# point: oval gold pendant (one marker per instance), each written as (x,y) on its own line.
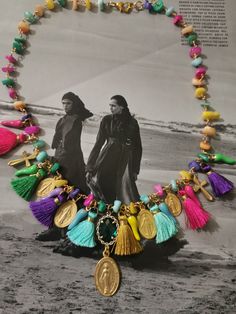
(65,214)
(174,204)
(45,187)
(146,224)
(107,276)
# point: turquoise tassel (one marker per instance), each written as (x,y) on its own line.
(82,213)
(166,228)
(164,209)
(83,233)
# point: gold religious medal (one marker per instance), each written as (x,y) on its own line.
(107,275)
(173,204)
(146,224)
(65,214)
(47,185)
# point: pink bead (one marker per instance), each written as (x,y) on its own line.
(12,93)
(159,190)
(200,72)
(34,129)
(177,19)
(8,69)
(11,59)
(88,200)
(195,51)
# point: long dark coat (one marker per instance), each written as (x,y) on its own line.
(67,142)
(115,160)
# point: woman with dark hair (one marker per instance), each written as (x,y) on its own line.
(67,142)
(114,162)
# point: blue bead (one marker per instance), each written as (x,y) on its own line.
(169,11)
(42,156)
(196,62)
(144,198)
(174,185)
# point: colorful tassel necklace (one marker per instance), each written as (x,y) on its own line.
(119,227)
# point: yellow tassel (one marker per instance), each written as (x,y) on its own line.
(126,244)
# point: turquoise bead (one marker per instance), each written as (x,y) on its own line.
(42,156)
(174,185)
(154,208)
(30,17)
(39,144)
(55,168)
(169,11)
(158,6)
(8,82)
(192,38)
(101,5)
(62,3)
(116,206)
(196,62)
(18,47)
(92,215)
(204,157)
(144,198)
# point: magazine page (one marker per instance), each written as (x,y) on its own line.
(135,123)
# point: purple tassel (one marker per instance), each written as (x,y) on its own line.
(220,185)
(45,209)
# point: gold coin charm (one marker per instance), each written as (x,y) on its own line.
(65,214)
(146,224)
(107,275)
(45,187)
(173,204)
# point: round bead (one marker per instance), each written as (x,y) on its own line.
(88,4)
(200,92)
(200,72)
(50,4)
(147,5)
(205,145)
(11,59)
(39,10)
(24,27)
(210,115)
(62,3)
(195,165)
(196,62)
(209,131)
(42,156)
(75,5)
(192,38)
(197,82)
(39,144)
(26,117)
(185,175)
(170,11)
(187,30)
(158,6)
(30,17)
(33,129)
(19,105)
(195,51)
(12,93)
(178,19)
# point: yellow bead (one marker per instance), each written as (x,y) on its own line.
(185,175)
(24,27)
(134,226)
(88,4)
(200,92)
(210,115)
(209,131)
(132,208)
(197,82)
(19,105)
(50,4)
(187,30)
(39,10)
(205,145)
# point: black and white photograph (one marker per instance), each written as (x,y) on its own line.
(112,112)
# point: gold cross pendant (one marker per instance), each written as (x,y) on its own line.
(26,157)
(199,185)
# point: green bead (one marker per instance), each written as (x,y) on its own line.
(55,168)
(158,6)
(101,206)
(223,159)
(30,17)
(8,82)
(204,157)
(192,38)
(20,40)
(62,3)
(18,47)
(39,144)
(27,171)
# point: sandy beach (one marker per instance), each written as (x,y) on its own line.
(200,278)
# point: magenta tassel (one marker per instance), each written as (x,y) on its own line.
(44,210)
(8,140)
(190,192)
(220,185)
(18,124)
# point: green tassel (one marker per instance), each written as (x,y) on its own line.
(27,171)
(25,186)
(83,233)
(166,227)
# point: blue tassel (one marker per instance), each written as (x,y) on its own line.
(164,209)
(82,213)
(83,233)
(166,228)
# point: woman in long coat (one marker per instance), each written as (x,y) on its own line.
(114,162)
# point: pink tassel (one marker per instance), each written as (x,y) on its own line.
(8,140)
(34,129)
(13,124)
(190,192)
(196,216)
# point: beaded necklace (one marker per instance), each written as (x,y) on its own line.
(119,227)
